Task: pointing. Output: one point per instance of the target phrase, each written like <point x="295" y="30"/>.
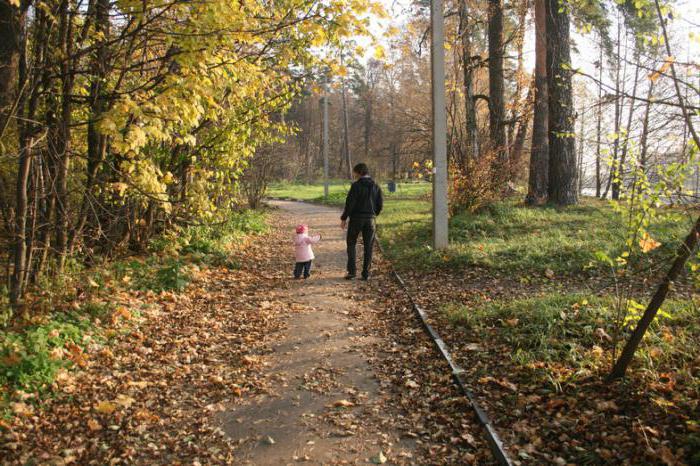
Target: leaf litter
<point x="555" y="419"/>
<point x="150" y="394"/>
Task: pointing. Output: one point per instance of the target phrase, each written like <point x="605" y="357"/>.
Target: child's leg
<point x="298" y="267"/>
<point x="307" y="269"/>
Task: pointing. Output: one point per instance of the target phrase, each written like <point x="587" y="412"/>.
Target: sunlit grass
<point x="339" y="188"/>
<point x="571" y="329"/>
<point x="517" y="239"/>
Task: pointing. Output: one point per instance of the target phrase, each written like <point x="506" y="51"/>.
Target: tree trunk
<point x="496" y="101"/>
<point x="628" y="129"/>
<point x="368" y="124"/>
<point x="539" y="151"/>
<point x="63" y="143"/>
<point x="394" y="137"/>
<point x="20" y="249"/>
<point x="643" y="142"/>
<point x="518" y="102"/>
<point x="616" y="169"/>
<point x="471" y="138"/>
<point x="516" y="150"/>
<point x="579" y="171"/>
<point x="10" y="44"/>
<point x="562" y="143"/>
<point x="32" y="213"/>
<point x="46" y="218"/>
<point x="26" y="152"/>
<point x="599" y="122"/>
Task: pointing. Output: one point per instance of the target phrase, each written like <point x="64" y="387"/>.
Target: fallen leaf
<point x="124" y="401"/>
<point x="512" y="322"/>
<point x="22" y="409"/>
<point x="343" y="404"/>
<point x="379" y="459"/>
<point x="647" y="243"/>
<point x="94" y="425"/>
<point x="105" y="407"/>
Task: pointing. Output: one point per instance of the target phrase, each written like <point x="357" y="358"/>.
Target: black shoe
<point x="365" y="278"/>
<point x="306" y="276"/>
<point x="350" y="276"/>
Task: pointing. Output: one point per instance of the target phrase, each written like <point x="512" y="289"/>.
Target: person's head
<point x="301" y="229"/>
<point x="360" y="170"/>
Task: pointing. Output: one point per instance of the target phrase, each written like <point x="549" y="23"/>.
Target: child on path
<point x="303" y="252"/>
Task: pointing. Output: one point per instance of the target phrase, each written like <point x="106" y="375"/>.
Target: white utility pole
<point x="437" y="56"/>
<point x="325" y="140"/>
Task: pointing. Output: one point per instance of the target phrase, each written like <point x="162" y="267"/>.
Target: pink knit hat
<point x="301" y="229"/>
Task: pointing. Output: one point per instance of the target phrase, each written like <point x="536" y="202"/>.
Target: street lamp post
<point x="437" y="56"/>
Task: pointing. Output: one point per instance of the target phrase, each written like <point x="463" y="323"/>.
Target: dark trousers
<point x="355" y="227"/>
<point x="300" y="267"/>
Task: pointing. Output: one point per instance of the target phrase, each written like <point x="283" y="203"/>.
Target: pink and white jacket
<point x="302" y="246"/>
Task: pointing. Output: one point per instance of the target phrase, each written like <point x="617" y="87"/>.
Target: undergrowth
<point x="31" y="355"/>
<point x="569" y="334"/>
<point x="35" y="346"/>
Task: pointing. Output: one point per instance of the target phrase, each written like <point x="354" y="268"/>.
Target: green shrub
<point x="170" y="277"/>
<point x="31" y="357"/>
<point x="154" y="274"/>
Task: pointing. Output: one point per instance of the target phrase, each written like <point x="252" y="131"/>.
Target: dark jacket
<point x="364" y="199"/>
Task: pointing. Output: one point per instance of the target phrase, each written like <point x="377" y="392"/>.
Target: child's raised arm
<point x="313" y="239"/>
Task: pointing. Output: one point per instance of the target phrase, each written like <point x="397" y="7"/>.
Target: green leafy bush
<point x="31" y="357"/>
<point x="154" y="274"/>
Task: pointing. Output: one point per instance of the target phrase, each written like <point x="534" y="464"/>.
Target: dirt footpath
<point x="339" y="391"/>
<point x="324" y="393"/>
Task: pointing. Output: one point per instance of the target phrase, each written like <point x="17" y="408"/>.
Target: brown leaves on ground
<point x="151" y="394"/>
<point x="148" y="395"/>
<point x="582" y="422"/>
<point x="432" y="411"/>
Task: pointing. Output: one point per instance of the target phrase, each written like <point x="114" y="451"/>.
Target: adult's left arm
<point x="379" y="201"/>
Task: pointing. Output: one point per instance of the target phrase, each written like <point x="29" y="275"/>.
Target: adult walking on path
<point x="362" y="205"/>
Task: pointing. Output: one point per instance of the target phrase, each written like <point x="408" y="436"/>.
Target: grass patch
<point x="307" y="191"/>
<point x="568" y="329"/>
<point x="338" y="189"/>
<point x="519" y="240"/>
